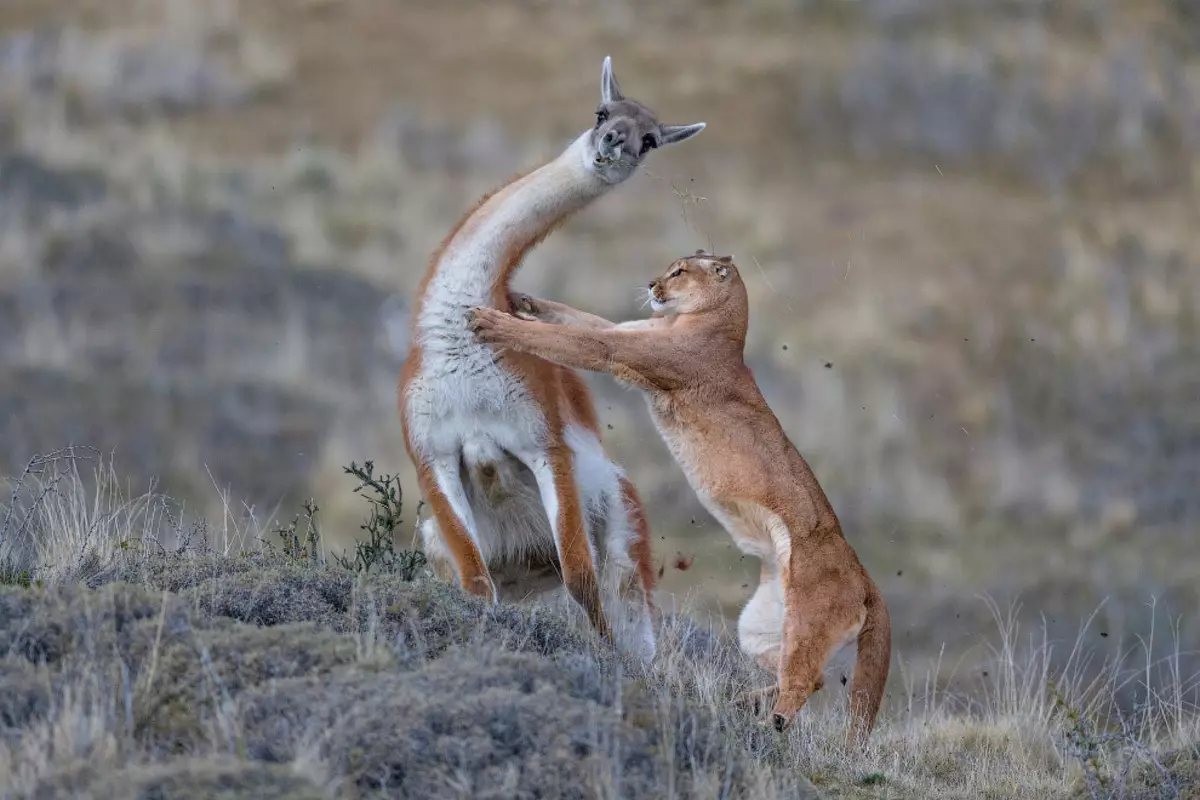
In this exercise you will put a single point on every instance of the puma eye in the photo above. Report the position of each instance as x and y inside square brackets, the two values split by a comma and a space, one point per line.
[675, 273]
[601, 116]
[648, 143]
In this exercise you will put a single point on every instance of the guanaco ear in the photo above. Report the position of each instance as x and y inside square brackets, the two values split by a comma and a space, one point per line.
[610, 92]
[677, 133]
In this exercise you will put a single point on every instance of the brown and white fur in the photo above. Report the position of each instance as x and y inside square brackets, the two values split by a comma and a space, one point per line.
[814, 596]
[507, 446]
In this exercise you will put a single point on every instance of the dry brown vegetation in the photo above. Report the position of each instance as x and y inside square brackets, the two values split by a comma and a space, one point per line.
[968, 225]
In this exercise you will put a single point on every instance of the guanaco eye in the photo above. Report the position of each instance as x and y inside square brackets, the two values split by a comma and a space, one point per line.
[648, 143]
[601, 116]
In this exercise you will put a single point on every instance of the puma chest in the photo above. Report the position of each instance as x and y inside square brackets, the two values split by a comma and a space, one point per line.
[752, 528]
[691, 456]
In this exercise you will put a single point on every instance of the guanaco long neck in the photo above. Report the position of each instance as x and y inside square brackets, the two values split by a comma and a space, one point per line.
[477, 262]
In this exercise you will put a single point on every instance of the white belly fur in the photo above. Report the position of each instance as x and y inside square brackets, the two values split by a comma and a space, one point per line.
[469, 411]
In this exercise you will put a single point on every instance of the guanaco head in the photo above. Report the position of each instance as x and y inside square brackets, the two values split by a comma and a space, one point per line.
[700, 282]
[626, 131]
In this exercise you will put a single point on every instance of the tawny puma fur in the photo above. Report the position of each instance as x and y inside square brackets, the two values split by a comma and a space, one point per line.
[814, 596]
[507, 447]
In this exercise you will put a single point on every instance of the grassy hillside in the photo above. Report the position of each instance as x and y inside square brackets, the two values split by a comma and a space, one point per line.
[968, 226]
[136, 661]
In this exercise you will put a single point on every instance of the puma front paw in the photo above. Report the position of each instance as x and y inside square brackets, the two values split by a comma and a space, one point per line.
[523, 305]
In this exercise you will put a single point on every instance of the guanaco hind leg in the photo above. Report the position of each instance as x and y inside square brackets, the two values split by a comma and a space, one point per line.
[554, 472]
[442, 486]
[625, 572]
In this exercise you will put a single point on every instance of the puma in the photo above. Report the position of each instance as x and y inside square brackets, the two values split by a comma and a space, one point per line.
[814, 595]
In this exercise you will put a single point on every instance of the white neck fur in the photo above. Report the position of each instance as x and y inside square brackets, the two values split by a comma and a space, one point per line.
[474, 260]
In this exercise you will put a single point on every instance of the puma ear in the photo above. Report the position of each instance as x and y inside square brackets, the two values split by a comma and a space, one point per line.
[700, 253]
[610, 92]
[725, 259]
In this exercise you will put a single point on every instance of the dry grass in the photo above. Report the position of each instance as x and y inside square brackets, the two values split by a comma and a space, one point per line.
[262, 671]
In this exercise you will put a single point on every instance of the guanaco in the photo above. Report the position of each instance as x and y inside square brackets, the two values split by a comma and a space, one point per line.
[814, 596]
[507, 446]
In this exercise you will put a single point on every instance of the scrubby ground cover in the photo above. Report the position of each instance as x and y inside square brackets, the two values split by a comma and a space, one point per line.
[142, 655]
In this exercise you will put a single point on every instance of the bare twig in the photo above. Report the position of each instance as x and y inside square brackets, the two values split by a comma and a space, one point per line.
[36, 466]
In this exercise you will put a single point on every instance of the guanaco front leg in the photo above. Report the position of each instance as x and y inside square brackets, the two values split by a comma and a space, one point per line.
[442, 487]
[555, 475]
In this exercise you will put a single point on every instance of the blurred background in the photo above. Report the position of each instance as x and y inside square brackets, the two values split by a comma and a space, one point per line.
[970, 229]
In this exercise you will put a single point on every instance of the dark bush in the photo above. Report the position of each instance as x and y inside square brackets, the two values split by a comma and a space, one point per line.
[186, 779]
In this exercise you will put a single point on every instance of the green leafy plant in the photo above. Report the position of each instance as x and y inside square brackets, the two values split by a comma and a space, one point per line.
[378, 550]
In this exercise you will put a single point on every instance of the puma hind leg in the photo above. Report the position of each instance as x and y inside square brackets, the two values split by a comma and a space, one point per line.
[825, 609]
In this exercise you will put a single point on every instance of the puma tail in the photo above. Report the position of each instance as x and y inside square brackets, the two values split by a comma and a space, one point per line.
[871, 668]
